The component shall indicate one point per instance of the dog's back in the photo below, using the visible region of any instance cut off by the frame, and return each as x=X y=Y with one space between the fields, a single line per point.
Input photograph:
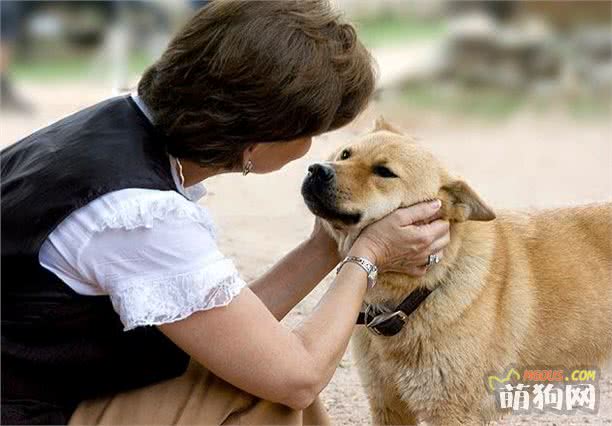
x=561 y=262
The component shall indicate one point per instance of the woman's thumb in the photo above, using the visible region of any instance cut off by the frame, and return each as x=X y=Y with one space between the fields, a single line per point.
x=419 y=212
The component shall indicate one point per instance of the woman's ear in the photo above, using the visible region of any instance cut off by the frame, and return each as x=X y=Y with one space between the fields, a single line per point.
x=460 y=203
x=249 y=151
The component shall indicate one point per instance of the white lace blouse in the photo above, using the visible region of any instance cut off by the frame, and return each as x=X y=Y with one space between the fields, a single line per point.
x=153 y=252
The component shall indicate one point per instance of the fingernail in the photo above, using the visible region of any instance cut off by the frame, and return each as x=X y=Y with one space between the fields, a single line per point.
x=435 y=204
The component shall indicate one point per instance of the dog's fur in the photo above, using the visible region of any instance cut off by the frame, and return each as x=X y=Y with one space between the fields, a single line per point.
x=522 y=289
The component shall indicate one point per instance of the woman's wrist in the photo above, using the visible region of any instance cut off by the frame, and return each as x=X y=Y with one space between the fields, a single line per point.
x=323 y=243
x=360 y=249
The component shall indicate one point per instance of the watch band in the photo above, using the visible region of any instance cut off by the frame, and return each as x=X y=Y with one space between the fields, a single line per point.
x=365 y=264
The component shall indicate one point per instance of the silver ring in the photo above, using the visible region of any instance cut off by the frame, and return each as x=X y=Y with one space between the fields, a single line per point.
x=432 y=259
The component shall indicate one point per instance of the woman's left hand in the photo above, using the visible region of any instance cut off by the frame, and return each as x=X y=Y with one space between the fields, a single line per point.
x=407 y=237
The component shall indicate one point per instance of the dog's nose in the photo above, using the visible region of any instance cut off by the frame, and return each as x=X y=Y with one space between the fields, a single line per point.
x=321 y=172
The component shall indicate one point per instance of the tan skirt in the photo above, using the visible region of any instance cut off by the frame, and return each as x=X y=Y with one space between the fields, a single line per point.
x=195 y=398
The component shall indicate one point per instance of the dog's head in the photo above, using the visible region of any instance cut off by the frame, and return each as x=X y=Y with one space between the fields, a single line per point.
x=382 y=171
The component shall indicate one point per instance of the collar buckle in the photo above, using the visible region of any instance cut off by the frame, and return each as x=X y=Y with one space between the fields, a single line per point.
x=377 y=321
x=381 y=321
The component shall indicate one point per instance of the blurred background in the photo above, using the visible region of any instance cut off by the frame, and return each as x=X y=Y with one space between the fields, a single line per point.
x=481 y=58
x=514 y=95
x=473 y=57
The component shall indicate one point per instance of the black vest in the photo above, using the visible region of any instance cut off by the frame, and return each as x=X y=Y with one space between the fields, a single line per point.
x=59 y=347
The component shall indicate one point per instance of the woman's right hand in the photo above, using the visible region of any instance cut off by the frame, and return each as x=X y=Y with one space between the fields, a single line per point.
x=403 y=240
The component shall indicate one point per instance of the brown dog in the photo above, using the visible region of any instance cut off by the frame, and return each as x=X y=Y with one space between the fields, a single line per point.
x=522 y=289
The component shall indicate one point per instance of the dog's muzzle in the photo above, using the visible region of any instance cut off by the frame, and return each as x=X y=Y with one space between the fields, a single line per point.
x=321 y=174
x=320 y=196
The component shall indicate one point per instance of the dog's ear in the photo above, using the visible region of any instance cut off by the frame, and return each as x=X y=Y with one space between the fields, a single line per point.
x=382 y=124
x=460 y=203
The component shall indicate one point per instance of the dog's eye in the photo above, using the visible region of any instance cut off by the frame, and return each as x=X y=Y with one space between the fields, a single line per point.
x=345 y=154
x=384 y=172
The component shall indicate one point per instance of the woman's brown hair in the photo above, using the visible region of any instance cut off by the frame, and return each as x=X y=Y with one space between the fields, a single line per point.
x=241 y=72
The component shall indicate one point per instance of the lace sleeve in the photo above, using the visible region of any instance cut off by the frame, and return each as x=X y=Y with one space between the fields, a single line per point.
x=156 y=256
x=163 y=299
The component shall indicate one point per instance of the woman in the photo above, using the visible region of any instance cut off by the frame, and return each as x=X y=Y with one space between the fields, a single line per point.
x=111 y=277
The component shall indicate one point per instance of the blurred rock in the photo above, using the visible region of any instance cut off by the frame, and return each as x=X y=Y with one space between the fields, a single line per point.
x=482 y=51
x=540 y=46
x=590 y=58
x=568 y=15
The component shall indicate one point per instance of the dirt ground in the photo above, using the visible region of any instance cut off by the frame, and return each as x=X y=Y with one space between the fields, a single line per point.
x=527 y=161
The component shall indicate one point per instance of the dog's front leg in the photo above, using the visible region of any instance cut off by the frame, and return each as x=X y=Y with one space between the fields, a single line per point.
x=392 y=414
x=385 y=405
x=451 y=415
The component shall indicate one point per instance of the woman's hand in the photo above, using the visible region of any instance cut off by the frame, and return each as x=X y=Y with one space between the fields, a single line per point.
x=323 y=241
x=403 y=240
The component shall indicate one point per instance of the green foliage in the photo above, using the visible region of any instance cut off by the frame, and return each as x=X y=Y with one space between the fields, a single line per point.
x=388 y=30
x=496 y=104
x=73 y=68
x=489 y=104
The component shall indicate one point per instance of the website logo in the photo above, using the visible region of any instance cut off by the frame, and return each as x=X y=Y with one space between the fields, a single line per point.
x=562 y=391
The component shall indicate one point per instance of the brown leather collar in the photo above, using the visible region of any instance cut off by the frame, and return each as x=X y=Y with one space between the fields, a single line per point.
x=383 y=322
